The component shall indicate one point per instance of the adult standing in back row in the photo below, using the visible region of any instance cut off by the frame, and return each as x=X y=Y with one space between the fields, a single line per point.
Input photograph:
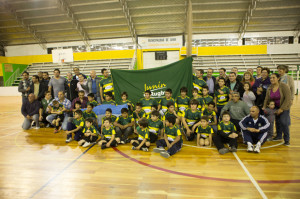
x=106 y=84
x=58 y=83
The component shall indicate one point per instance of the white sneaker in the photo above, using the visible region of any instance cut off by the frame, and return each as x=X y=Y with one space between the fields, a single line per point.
x=250 y=148
x=158 y=150
x=145 y=149
x=257 y=149
x=86 y=144
x=165 y=154
x=68 y=140
x=37 y=127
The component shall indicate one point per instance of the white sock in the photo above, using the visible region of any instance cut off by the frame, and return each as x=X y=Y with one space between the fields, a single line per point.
x=249 y=144
x=258 y=144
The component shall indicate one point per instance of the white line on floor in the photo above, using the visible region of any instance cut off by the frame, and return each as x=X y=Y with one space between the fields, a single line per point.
x=250 y=176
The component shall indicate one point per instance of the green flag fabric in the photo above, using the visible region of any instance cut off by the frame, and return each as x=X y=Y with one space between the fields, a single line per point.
x=157 y=80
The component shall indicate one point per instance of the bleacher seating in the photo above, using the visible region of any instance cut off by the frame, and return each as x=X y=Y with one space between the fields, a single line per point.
x=243 y=62
x=85 y=67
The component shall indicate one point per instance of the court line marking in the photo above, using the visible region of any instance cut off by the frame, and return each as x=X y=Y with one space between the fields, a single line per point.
x=267 y=147
x=10 y=134
x=263 y=195
x=201 y=177
x=60 y=172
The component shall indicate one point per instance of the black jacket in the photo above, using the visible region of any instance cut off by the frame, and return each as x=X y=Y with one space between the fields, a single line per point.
x=239 y=87
x=71 y=87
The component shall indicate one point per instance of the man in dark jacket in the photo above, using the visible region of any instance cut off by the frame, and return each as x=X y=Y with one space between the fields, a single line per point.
x=235 y=85
x=25 y=86
x=30 y=110
x=43 y=85
x=71 y=87
x=255 y=129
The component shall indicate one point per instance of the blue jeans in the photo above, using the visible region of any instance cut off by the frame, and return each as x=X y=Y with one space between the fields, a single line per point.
x=51 y=117
x=283 y=121
x=27 y=122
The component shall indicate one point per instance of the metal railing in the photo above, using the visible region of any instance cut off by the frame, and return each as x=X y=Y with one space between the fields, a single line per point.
x=12 y=78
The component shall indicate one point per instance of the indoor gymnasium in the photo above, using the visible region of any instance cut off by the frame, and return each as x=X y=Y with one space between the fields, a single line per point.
x=149 y=99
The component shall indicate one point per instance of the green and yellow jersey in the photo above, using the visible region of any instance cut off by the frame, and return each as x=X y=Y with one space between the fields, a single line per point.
x=192 y=117
x=140 y=114
x=164 y=101
x=226 y=128
x=78 y=122
x=183 y=104
x=86 y=115
x=155 y=126
x=94 y=102
x=204 y=132
x=200 y=101
x=57 y=109
x=126 y=102
x=207 y=99
x=167 y=114
x=209 y=113
x=111 y=102
x=113 y=119
x=222 y=99
x=147 y=103
x=172 y=133
x=123 y=121
x=107 y=85
x=45 y=103
x=108 y=133
x=143 y=134
x=92 y=129
x=198 y=84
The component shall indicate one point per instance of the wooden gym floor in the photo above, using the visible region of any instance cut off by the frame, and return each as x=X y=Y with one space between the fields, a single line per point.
x=39 y=164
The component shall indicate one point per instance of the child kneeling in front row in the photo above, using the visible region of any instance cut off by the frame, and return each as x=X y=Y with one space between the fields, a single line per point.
x=204 y=132
x=143 y=140
x=109 y=134
x=172 y=139
x=75 y=126
x=226 y=134
x=89 y=133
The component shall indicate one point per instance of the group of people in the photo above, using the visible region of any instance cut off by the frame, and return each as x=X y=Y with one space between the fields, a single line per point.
x=220 y=110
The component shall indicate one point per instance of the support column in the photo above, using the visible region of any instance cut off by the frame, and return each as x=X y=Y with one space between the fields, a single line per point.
x=189 y=29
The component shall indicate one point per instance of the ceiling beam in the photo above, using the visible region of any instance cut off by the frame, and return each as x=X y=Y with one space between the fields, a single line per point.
x=66 y=8
x=41 y=41
x=247 y=17
x=129 y=19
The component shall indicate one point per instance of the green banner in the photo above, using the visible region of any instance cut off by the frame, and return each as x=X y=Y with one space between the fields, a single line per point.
x=136 y=82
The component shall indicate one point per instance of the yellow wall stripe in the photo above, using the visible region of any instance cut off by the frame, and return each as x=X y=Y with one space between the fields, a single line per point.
x=232 y=50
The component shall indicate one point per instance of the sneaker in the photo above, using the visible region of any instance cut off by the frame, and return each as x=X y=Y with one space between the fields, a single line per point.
x=165 y=154
x=68 y=140
x=86 y=144
x=250 y=148
x=55 y=131
x=145 y=149
x=277 y=139
x=233 y=149
x=122 y=142
x=127 y=140
x=223 y=151
x=287 y=143
x=158 y=150
x=37 y=127
x=133 y=147
x=270 y=139
x=257 y=149
x=48 y=125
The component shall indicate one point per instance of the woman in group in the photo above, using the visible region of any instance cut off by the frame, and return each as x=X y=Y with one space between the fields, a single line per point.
x=248 y=78
x=285 y=78
x=280 y=93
